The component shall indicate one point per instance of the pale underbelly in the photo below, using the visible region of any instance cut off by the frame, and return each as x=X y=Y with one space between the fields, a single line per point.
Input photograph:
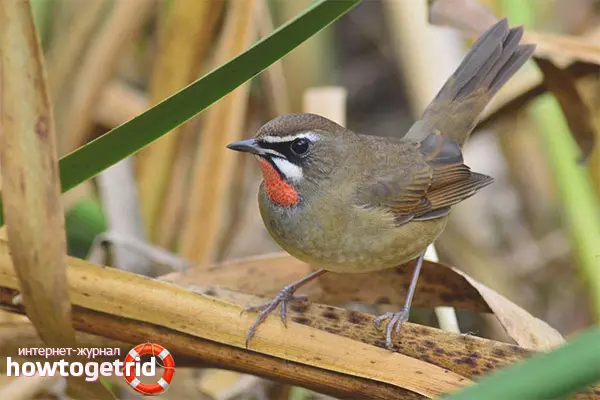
x=357 y=250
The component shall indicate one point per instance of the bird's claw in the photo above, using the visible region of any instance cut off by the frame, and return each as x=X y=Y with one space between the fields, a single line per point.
x=283 y=298
x=395 y=321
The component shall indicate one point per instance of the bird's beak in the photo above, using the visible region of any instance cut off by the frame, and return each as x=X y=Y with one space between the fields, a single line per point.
x=247 y=146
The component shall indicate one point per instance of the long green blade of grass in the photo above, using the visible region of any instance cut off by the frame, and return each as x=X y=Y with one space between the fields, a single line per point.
x=96 y=156
x=545 y=376
x=93 y=158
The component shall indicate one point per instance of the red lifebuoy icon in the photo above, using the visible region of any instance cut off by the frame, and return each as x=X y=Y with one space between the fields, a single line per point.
x=168 y=363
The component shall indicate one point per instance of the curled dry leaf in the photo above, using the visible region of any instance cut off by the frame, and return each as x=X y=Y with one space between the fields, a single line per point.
x=522 y=327
x=265 y=276
x=467 y=355
x=439 y=285
x=106 y=291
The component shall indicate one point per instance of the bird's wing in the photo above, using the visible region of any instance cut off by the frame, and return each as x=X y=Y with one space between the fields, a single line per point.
x=422 y=181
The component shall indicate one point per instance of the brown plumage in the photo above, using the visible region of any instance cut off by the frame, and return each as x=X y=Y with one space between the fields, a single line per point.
x=357 y=203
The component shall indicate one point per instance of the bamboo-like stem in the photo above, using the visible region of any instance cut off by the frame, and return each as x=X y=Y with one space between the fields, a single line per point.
x=74 y=23
x=30 y=176
x=213 y=169
x=186 y=33
x=125 y=19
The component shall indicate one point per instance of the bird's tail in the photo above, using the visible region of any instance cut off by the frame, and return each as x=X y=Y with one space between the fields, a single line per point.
x=491 y=62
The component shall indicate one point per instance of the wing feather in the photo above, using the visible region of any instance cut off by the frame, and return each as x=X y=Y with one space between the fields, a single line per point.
x=423 y=182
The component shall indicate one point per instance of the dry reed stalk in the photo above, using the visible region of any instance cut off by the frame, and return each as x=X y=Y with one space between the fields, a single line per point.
x=185 y=36
x=213 y=168
x=74 y=23
x=98 y=65
x=273 y=78
x=309 y=64
x=32 y=206
x=176 y=200
x=328 y=101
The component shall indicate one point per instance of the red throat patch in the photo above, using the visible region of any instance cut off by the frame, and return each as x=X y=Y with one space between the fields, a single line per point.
x=278 y=190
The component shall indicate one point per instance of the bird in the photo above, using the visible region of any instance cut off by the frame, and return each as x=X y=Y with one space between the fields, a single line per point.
x=345 y=202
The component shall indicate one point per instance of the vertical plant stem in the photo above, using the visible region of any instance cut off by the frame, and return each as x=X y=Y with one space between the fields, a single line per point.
x=580 y=206
x=214 y=165
x=185 y=36
x=29 y=161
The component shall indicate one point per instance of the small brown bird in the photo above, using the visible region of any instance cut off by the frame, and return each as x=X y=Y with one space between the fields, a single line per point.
x=351 y=203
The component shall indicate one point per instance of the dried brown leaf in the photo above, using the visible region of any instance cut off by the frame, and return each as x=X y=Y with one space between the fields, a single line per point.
x=179 y=320
x=439 y=285
x=522 y=327
x=467 y=355
x=265 y=276
x=107 y=290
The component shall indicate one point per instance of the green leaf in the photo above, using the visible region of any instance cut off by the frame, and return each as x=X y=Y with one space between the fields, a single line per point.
x=544 y=376
x=99 y=154
x=96 y=156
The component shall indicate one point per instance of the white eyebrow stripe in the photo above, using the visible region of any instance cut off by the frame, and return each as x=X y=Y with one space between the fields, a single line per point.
x=312 y=136
x=272 y=152
x=291 y=171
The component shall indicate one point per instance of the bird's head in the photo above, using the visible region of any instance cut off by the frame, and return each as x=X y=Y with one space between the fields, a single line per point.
x=297 y=154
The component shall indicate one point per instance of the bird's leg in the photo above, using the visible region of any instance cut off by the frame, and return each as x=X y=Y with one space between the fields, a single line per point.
x=398 y=318
x=285 y=296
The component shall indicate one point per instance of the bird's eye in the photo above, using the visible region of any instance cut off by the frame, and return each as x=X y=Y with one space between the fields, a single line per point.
x=300 y=146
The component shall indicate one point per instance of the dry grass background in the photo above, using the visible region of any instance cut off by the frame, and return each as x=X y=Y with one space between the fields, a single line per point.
x=189 y=204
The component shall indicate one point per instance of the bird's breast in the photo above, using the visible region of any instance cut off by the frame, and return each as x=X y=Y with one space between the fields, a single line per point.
x=342 y=237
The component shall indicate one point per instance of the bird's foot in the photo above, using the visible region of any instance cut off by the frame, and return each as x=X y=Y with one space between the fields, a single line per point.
x=283 y=298
x=394 y=324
